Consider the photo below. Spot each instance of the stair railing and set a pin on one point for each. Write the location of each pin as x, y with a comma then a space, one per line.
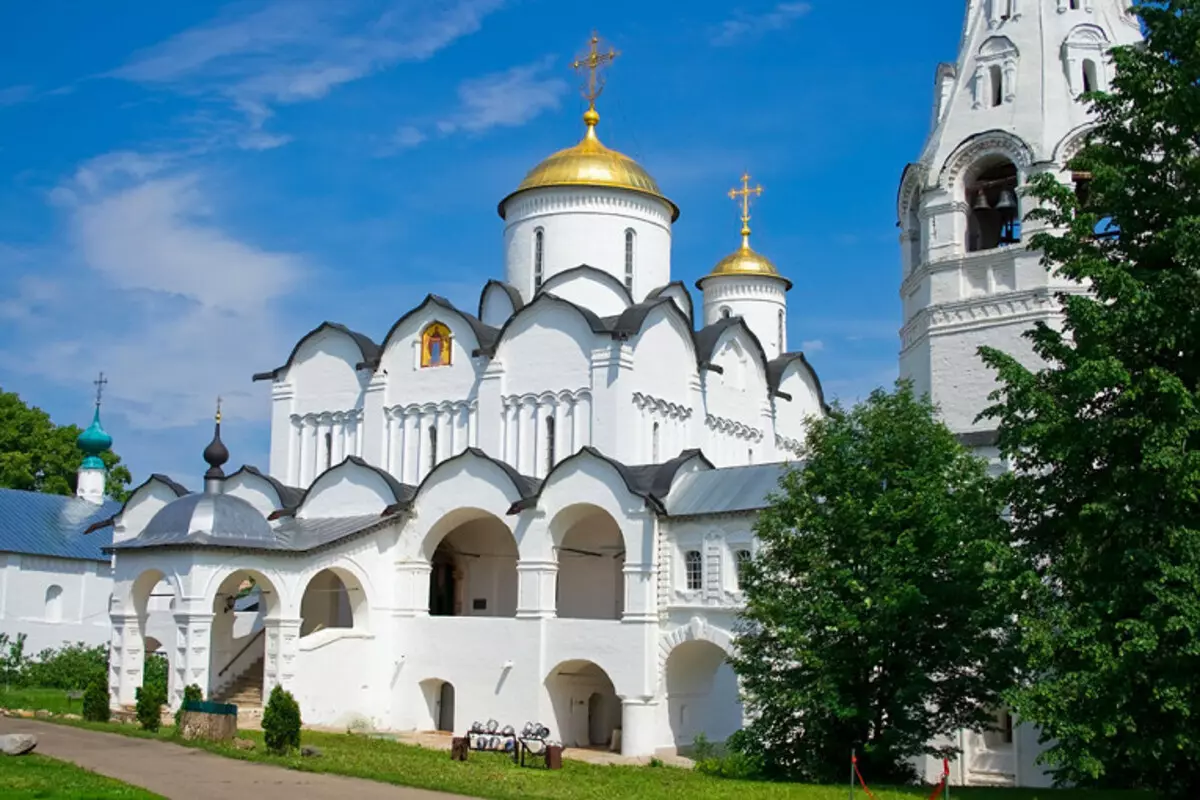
242, 652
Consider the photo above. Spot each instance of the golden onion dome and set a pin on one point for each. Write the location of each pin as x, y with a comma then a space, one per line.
590, 163
745, 260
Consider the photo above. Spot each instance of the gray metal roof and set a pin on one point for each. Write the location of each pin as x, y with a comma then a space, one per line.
724, 491
206, 519
301, 535
32, 523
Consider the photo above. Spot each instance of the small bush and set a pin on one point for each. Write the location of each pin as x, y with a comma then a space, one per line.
735, 763
191, 694
150, 700
281, 722
95, 702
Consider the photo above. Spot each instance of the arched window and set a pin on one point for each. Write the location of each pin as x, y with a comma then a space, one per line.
996, 76
782, 336
629, 260
433, 444
694, 570
549, 444
725, 312
741, 560
539, 258
654, 437
54, 603
995, 219
1089, 76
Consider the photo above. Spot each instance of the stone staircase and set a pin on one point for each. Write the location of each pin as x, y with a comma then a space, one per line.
246, 691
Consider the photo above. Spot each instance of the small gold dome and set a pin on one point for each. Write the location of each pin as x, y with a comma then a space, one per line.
590, 163
745, 261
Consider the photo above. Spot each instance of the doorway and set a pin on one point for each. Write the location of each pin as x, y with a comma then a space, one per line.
445, 717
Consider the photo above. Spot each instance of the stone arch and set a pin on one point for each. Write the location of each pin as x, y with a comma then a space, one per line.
977, 150
697, 630
701, 692
590, 550
584, 702
237, 635
1072, 143
146, 599
333, 597
473, 556
440, 701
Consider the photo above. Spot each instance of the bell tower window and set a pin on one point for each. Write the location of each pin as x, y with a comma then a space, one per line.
539, 259
629, 260
995, 219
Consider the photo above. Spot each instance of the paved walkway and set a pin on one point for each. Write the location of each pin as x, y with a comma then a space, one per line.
185, 773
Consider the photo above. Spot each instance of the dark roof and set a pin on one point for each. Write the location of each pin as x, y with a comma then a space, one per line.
597, 324
585, 269
486, 335
706, 340
402, 493
525, 485
366, 347
36, 524
651, 482
661, 291
725, 491
777, 367
629, 323
206, 519
288, 495
514, 296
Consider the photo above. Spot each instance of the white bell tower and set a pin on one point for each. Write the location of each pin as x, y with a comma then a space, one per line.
1008, 109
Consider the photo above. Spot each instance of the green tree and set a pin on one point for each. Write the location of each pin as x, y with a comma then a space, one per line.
1105, 434
38, 456
876, 614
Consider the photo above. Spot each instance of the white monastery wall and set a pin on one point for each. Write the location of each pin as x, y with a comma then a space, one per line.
54, 601
496, 306
792, 415
589, 290
761, 302
737, 410
666, 388
147, 501
587, 226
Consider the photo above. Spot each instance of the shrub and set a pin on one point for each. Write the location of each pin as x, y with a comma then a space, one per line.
70, 667
736, 763
154, 672
150, 700
191, 694
281, 722
95, 702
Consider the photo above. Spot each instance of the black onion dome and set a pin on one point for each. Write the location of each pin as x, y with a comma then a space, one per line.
216, 454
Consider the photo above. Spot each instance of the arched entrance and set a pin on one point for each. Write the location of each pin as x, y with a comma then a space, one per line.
334, 598
586, 708
591, 563
439, 698
473, 562
147, 655
243, 600
702, 694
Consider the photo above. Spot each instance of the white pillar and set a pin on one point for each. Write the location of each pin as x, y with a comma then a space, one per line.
282, 646
561, 435
412, 588
190, 663
126, 658
536, 583
339, 438
638, 726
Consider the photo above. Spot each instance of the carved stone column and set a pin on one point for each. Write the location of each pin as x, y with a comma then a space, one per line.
536, 589
282, 646
126, 657
193, 641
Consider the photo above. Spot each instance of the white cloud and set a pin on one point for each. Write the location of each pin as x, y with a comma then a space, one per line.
408, 136
294, 51
14, 95
745, 25
812, 346
154, 292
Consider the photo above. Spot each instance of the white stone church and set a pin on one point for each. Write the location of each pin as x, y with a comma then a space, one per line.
535, 510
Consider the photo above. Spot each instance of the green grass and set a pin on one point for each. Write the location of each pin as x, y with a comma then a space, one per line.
495, 777
53, 700
33, 776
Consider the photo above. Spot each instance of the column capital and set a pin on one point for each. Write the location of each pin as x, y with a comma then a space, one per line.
192, 617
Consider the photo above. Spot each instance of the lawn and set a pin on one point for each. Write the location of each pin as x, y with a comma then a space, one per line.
495, 777
53, 700
34, 776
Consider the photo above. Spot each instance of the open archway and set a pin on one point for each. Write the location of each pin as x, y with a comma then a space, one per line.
702, 694
587, 711
591, 563
243, 600
991, 193
150, 653
473, 559
333, 598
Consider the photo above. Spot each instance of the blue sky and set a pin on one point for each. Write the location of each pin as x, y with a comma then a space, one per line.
187, 188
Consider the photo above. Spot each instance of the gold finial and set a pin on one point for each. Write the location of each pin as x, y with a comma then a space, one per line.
744, 194
218, 410
100, 383
594, 62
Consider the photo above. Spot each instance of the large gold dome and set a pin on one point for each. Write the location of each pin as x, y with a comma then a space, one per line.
590, 163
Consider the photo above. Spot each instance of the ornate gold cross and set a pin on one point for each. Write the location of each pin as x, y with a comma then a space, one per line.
744, 194
594, 62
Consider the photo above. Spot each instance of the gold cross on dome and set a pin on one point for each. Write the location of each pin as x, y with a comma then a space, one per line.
594, 62
100, 383
744, 194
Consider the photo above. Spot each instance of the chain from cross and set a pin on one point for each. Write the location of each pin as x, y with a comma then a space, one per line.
744, 194
100, 383
594, 62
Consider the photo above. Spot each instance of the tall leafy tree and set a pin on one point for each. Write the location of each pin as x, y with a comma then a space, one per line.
1105, 436
37, 455
876, 613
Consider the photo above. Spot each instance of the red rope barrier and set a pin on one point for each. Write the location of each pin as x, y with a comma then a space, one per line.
937, 790
867, 789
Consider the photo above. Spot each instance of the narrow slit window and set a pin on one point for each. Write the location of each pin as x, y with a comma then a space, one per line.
694, 568
539, 259
328, 450
997, 78
654, 442
1089, 76
549, 444
629, 260
433, 446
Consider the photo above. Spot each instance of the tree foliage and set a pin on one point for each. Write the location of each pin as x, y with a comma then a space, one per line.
38, 456
281, 722
1105, 435
876, 613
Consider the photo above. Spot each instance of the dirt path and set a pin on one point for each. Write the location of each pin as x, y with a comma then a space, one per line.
184, 773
